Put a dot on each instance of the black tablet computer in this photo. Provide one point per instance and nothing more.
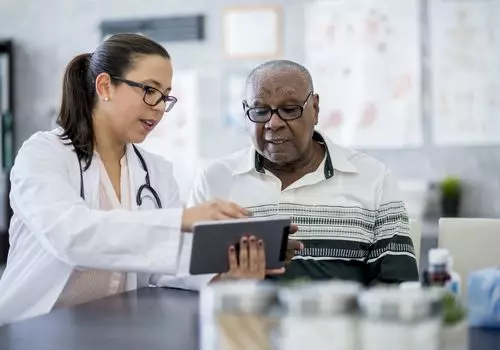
(211, 241)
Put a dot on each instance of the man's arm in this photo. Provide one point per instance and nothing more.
(392, 256)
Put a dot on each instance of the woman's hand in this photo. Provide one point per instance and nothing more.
(252, 258)
(250, 263)
(212, 210)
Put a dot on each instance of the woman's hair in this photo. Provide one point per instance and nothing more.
(115, 56)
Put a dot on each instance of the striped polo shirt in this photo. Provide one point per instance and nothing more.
(351, 218)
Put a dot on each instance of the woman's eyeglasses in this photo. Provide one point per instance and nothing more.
(152, 96)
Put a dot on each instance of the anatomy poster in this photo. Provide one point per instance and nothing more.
(176, 136)
(364, 57)
(465, 51)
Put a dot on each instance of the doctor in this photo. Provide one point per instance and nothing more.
(95, 215)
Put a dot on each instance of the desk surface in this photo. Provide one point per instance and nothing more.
(150, 318)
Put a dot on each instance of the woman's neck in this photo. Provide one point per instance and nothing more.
(109, 147)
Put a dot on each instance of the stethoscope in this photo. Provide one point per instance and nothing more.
(147, 186)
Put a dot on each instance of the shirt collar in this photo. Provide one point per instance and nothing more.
(337, 159)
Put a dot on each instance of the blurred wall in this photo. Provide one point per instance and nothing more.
(49, 33)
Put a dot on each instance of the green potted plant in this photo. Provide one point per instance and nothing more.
(451, 194)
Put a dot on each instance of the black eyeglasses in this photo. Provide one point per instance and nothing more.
(264, 114)
(152, 96)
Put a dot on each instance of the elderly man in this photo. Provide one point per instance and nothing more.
(352, 222)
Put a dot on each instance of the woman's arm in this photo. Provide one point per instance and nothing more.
(43, 197)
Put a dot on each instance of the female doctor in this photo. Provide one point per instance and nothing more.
(93, 214)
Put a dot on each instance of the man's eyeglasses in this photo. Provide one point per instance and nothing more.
(152, 96)
(264, 114)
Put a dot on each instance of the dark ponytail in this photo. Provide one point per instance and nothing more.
(114, 56)
(75, 116)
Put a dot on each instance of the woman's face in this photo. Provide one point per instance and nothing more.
(127, 115)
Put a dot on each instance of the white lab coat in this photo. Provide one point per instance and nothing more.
(54, 231)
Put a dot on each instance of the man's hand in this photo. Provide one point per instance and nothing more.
(293, 245)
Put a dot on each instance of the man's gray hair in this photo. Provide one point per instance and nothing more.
(281, 66)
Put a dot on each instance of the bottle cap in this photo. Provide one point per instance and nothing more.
(410, 285)
(245, 296)
(450, 261)
(320, 298)
(393, 303)
(439, 256)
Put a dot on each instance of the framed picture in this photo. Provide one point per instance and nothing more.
(252, 32)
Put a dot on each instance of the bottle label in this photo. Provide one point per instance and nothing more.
(453, 287)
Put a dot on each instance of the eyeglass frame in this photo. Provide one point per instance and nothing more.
(247, 109)
(145, 87)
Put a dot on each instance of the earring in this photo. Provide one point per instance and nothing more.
(106, 99)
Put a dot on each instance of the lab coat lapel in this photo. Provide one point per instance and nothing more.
(137, 176)
(90, 183)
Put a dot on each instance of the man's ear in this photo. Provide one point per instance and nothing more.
(315, 105)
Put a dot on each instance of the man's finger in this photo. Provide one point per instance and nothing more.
(293, 228)
(293, 244)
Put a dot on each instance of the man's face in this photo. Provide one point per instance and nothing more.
(281, 140)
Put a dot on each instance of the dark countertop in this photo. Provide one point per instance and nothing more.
(149, 318)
